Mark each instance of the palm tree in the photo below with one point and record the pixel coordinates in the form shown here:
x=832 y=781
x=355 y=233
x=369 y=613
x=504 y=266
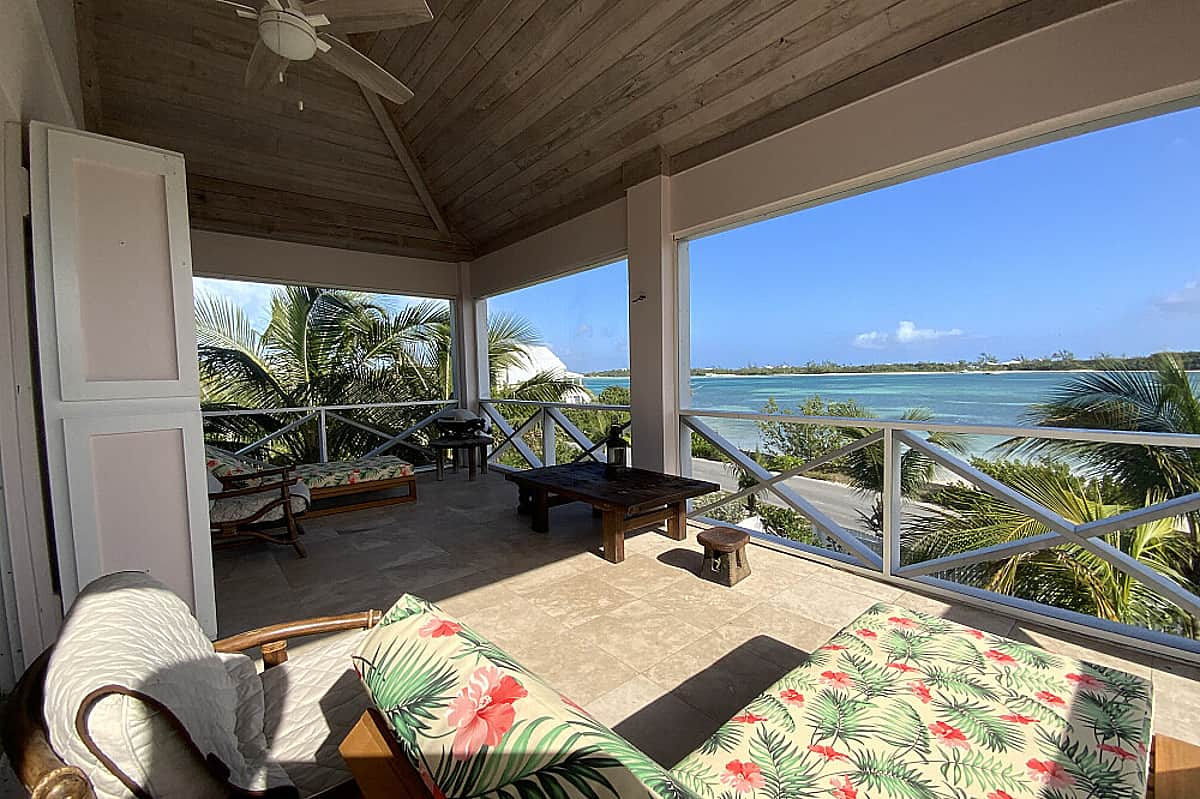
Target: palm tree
x=865 y=467
x=1163 y=400
x=1065 y=576
x=335 y=347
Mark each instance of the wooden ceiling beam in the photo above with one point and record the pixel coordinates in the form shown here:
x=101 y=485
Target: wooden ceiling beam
x=400 y=147
x=89 y=72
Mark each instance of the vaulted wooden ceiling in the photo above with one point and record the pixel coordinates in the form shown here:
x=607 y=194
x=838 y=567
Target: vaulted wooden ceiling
x=526 y=111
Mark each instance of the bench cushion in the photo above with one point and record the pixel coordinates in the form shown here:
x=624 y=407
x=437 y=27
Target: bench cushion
x=343 y=473
x=908 y=705
x=474 y=722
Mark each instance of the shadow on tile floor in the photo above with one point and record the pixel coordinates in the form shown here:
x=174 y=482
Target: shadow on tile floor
x=675 y=724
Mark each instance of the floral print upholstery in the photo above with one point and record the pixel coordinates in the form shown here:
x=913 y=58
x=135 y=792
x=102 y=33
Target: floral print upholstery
x=236 y=509
x=475 y=723
x=901 y=704
x=226 y=464
x=363 y=470
x=898 y=705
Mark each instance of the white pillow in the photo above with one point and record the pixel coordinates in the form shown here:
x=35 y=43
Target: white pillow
x=138 y=699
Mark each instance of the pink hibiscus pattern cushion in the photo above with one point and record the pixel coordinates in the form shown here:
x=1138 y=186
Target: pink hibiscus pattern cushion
x=363 y=470
x=902 y=704
x=475 y=723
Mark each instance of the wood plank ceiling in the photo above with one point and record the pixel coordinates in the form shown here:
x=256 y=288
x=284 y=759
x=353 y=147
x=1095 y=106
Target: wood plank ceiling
x=526 y=112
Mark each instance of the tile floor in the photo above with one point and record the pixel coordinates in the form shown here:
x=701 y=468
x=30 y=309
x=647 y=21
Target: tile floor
x=648 y=647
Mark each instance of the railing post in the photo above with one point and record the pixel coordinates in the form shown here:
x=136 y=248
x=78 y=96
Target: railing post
x=891 y=502
x=549 y=452
x=322 y=438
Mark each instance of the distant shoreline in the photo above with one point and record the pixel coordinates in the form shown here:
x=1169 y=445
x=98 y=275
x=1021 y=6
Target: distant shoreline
x=980 y=373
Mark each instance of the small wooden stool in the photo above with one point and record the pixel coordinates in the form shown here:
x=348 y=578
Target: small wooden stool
x=724 y=555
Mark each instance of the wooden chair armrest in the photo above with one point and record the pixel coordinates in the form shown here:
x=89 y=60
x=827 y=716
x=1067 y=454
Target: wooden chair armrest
x=273 y=638
x=36 y=764
x=258 y=489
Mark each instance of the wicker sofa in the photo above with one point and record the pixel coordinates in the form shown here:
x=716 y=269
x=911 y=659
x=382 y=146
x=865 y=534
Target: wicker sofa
x=333 y=479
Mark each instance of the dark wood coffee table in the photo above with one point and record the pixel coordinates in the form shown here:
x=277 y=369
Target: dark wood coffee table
x=631 y=500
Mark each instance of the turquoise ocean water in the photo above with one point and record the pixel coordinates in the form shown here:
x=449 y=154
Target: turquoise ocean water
x=966 y=398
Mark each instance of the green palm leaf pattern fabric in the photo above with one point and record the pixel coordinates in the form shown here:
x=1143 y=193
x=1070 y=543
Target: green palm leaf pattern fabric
x=908 y=706
x=474 y=723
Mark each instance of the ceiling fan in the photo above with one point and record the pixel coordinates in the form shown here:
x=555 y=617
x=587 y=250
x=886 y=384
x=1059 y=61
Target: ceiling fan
x=287 y=32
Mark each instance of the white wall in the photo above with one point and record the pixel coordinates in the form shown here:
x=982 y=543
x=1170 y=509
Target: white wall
x=269 y=261
x=591 y=239
x=38 y=80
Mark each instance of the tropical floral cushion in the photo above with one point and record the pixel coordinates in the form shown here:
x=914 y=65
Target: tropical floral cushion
x=226 y=464
x=239 y=509
x=475 y=723
x=363 y=470
x=901 y=704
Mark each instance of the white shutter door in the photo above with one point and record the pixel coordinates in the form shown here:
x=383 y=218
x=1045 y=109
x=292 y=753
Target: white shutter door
x=117 y=347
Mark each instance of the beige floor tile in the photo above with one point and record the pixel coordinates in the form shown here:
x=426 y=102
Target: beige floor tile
x=823 y=602
x=700 y=603
x=778 y=635
x=659 y=723
x=637 y=575
x=465 y=595
x=579 y=598
x=576 y=668
x=717 y=677
x=1177 y=704
x=638 y=634
x=516 y=625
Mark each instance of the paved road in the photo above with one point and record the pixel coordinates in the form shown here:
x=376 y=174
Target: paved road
x=841 y=503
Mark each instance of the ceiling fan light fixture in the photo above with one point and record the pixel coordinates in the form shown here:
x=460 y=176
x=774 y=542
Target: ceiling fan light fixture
x=287 y=34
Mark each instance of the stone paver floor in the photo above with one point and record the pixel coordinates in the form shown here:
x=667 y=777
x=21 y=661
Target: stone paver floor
x=647 y=646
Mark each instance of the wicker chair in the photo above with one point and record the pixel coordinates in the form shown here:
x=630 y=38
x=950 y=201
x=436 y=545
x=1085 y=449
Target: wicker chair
x=241 y=505
x=44 y=773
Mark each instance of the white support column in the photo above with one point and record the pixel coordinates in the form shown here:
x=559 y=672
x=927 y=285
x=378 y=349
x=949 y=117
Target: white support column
x=683 y=316
x=653 y=326
x=470 y=337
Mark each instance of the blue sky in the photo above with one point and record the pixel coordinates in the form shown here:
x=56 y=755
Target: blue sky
x=1090 y=244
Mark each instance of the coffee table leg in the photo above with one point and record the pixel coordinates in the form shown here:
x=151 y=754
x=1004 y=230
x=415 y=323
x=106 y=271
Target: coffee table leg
x=441 y=464
x=524 y=501
x=614 y=536
x=541 y=511
x=677 y=522
x=483 y=459
x=471 y=455
x=454 y=463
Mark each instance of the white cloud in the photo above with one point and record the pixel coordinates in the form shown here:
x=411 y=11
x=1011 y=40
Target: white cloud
x=583 y=331
x=1186 y=300
x=906 y=332
x=871 y=341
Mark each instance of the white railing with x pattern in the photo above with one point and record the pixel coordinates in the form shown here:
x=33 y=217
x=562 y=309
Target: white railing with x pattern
x=547 y=418
x=323 y=415
x=897 y=435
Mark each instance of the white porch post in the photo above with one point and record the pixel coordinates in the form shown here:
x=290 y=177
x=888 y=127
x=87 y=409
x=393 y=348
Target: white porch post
x=653 y=326
x=470 y=335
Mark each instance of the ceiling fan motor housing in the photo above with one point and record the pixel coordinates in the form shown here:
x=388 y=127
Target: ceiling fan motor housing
x=287 y=34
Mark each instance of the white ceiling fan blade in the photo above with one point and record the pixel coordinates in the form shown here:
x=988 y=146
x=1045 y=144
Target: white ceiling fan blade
x=275 y=4
x=265 y=67
x=243 y=11
x=356 y=16
x=364 y=71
